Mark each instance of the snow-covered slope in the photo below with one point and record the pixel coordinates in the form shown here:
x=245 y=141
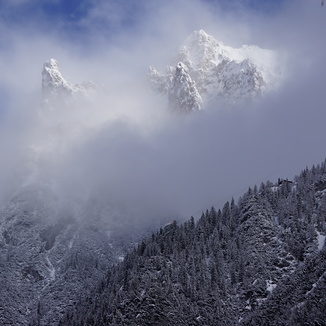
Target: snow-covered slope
x=49 y=256
x=51 y=253
x=217 y=73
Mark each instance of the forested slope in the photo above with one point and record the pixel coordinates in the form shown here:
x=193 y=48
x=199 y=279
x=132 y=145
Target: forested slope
x=260 y=261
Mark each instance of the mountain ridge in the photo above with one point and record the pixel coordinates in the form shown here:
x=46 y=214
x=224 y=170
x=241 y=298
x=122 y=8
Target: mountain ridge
x=217 y=73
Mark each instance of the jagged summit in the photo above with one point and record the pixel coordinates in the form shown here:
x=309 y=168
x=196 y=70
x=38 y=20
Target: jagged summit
x=52 y=79
x=218 y=73
x=55 y=87
x=199 y=50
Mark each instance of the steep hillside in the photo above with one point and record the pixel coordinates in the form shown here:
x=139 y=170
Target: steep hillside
x=258 y=262
x=49 y=257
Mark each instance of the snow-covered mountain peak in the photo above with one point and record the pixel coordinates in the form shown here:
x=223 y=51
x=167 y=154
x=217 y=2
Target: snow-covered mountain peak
x=52 y=64
x=219 y=73
x=199 y=50
x=200 y=39
x=52 y=78
x=56 y=88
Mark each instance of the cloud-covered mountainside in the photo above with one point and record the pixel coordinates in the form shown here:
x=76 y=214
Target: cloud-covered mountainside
x=88 y=171
x=208 y=73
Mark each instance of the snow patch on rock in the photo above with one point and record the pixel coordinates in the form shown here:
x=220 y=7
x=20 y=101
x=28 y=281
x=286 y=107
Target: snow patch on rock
x=321 y=240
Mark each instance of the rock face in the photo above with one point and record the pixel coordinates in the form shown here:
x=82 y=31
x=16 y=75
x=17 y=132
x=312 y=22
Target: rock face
x=215 y=74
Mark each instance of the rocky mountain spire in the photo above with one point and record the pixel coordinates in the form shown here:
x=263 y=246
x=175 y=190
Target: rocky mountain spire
x=52 y=79
x=183 y=93
x=56 y=88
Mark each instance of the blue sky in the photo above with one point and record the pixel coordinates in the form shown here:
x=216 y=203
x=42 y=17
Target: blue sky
x=68 y=17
